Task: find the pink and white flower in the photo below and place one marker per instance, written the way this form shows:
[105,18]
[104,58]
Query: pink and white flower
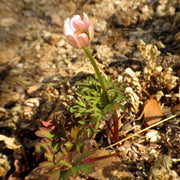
[79,32]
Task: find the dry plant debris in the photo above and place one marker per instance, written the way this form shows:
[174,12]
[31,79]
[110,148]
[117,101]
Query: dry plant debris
[161,168]
[152,112]
[4,165]
[38,70]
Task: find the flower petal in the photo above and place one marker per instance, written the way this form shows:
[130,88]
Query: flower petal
[72,41]
[76,22]
[91,31]
[67,30]
[82,40]
[86,20]
[78,41]
[76,17]
[78,25]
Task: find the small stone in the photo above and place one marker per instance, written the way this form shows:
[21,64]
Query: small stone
[51,38]
[28,1]
[153,136]
[32,102]
[5,167]
[163,1]
[3,113]
[61,43]
[160,10]
[177,37]
[57,20]
[7,22]
[34,88]
[46,35]
[137,54]
[100,26]
[167,26]
[28,113]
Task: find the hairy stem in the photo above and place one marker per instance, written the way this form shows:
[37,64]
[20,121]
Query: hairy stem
[93,62]
[115,116]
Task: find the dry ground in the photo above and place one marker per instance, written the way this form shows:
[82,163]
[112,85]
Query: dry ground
[38,69]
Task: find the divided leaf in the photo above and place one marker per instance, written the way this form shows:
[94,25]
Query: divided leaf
[45,132]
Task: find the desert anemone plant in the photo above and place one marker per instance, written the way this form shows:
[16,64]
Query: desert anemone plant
[98,96]
[65,150]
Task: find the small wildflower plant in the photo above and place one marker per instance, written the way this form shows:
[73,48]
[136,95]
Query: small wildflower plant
[91,106]
[65,151]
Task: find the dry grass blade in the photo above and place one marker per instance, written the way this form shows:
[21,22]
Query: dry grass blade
[135,134]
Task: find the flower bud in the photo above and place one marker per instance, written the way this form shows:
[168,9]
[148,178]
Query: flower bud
[79,33]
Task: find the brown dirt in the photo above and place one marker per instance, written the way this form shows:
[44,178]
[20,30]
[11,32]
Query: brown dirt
[38,69]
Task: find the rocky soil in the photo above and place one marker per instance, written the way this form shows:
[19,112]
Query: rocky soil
[38,69]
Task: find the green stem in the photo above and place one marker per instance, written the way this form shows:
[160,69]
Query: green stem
[93,62]
[115,117]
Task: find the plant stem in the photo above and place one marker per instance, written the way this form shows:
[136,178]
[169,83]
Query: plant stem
[115,116]
[93,62]
[90,160]
[116,125]
[145,129]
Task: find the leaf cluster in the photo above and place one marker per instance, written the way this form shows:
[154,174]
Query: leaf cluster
[65,151]
[91,105]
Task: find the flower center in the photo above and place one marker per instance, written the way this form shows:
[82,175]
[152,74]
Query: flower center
[79,31]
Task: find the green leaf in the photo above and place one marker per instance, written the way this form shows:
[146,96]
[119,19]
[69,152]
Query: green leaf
[47,165]
[44,132]
[81,102]
[89,132]
[74,132]
[82,122]
[120,106]
[41,146]
[58,157]
[69,145]
[64,175]
[84,168]
[80,146]
[62,160]
[49,154]
[64,163]
[54,175]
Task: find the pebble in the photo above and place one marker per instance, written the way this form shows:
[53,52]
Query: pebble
[100,26]
[163,1]
[3,113]
[104,53]
[162,10]
[167,26]
[32,102]
[28,1]
[177,37]
[56,20]
[61,43]
[153,136]
[137,54]
[7,22]
[46,35]
[28,113]
[51,38]
[34,88]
